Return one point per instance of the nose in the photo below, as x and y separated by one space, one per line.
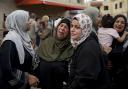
62 29
119 23
72 29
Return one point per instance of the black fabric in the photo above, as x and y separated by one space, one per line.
119 70
66 21
87 67
9 61
1 75
52 74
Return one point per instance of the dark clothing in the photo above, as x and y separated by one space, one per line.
118 71
87 67
54 53
52 74
9 61
1 78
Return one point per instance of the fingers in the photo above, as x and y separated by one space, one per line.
33 80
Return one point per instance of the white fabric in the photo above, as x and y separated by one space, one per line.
16 24
106 35
57 22
86 27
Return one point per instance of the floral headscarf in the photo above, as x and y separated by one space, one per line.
86 27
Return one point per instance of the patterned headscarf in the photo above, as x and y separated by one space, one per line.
86 27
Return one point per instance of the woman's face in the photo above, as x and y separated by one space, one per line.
62 31
119 24
29 24
75 30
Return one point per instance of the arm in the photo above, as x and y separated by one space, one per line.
122 38
9 73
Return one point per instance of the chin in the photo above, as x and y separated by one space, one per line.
74 38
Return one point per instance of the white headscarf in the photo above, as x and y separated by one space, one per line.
86 27
16 24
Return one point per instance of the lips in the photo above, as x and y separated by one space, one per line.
73 34
119 27
61 33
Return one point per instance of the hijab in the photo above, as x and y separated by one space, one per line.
86 27
54 49
16 24
93 13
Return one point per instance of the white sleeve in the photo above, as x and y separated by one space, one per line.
114 33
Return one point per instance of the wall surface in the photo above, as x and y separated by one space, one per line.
6 6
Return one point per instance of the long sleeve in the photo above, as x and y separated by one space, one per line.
8 53
85 66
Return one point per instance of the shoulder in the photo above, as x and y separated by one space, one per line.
7 43
89 44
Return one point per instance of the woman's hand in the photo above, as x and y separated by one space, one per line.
33 80
106 49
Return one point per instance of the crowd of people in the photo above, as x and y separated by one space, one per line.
88 51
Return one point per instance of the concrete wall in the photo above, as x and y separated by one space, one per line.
6 6
112 10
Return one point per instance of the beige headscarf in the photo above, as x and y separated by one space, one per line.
86 27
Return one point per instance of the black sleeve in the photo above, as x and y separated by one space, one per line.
9 53
87 66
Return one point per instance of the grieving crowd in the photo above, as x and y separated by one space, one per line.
87 51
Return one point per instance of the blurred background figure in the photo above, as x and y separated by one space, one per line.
33 28
93 13
45 29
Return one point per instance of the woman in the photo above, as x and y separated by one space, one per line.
106 34
93 13
87 66
17 54
116 55
54 53
45 30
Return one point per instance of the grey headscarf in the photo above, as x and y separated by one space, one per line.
93 12
16 24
